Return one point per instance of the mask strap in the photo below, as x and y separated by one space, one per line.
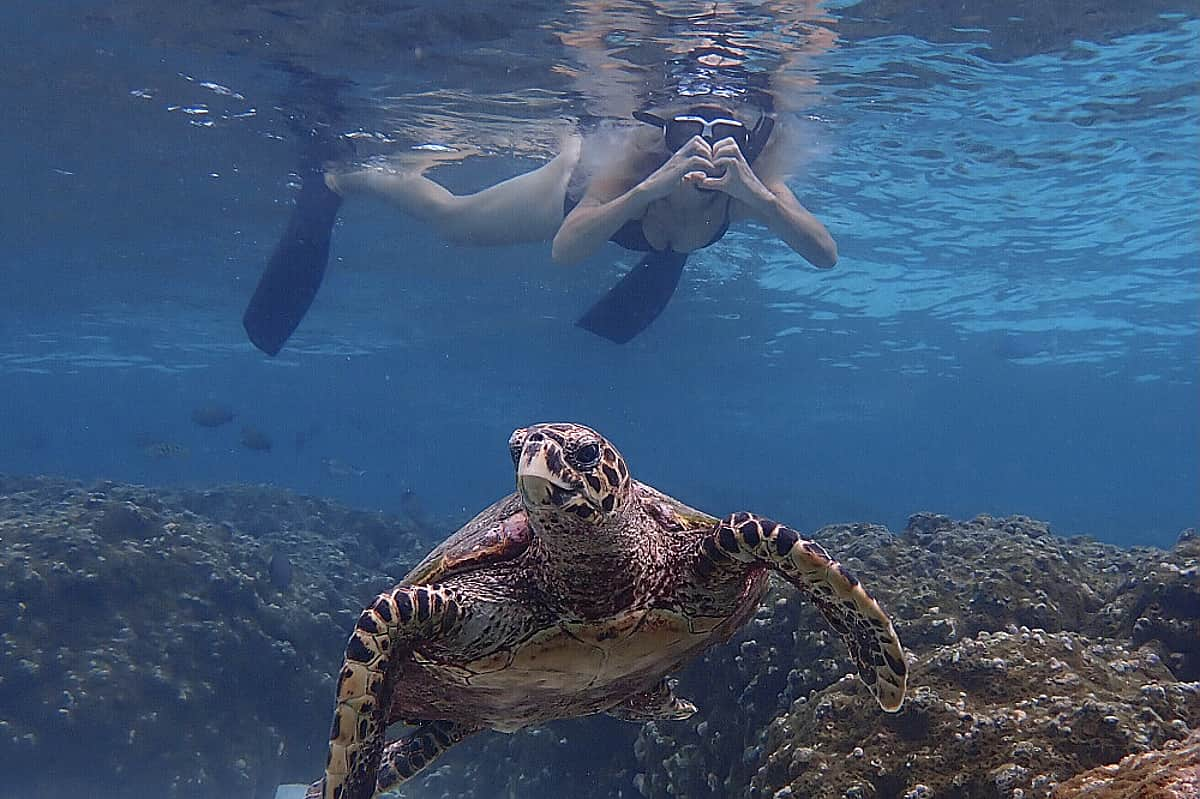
758 138
650 119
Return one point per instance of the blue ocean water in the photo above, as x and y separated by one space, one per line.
1012 327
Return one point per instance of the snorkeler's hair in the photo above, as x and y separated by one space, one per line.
710 109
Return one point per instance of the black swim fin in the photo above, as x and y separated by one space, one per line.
630 306
288 286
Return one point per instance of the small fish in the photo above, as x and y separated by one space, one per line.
161 450
335 468
304 436
280 569
255 439
212 414
412 507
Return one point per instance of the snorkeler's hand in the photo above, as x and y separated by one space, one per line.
691 163
734 175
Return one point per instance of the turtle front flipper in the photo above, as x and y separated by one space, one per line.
385 632
849 609
658 704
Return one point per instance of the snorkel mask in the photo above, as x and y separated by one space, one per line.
712 123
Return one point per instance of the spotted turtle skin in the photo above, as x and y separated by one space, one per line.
580 593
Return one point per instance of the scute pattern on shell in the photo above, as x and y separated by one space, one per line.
499 533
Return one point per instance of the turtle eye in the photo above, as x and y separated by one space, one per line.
586 456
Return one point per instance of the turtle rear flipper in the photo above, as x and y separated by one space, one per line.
658 704
404 758
845 604
396 622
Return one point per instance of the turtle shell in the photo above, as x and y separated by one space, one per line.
499 533
669 513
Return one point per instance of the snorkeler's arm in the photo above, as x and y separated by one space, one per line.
780 211
771 202
614 199
594 220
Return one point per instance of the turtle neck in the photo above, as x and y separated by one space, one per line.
589 570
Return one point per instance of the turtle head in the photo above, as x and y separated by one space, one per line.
569 469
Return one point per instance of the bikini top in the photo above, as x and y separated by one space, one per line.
632 234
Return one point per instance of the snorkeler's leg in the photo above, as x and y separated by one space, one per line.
297 266
525 208
638 298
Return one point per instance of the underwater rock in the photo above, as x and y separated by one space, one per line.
1161 606
146 651
121 520
1172 772
989 716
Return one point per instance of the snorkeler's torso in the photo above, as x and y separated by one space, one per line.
685 226
688 220
682 222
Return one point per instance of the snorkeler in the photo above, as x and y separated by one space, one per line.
679 183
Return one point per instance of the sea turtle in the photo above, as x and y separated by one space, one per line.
577 594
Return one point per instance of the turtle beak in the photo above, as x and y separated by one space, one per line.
537 479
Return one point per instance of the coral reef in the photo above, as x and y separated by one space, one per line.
997 715
1161 607
1169 773
145 650
182 644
